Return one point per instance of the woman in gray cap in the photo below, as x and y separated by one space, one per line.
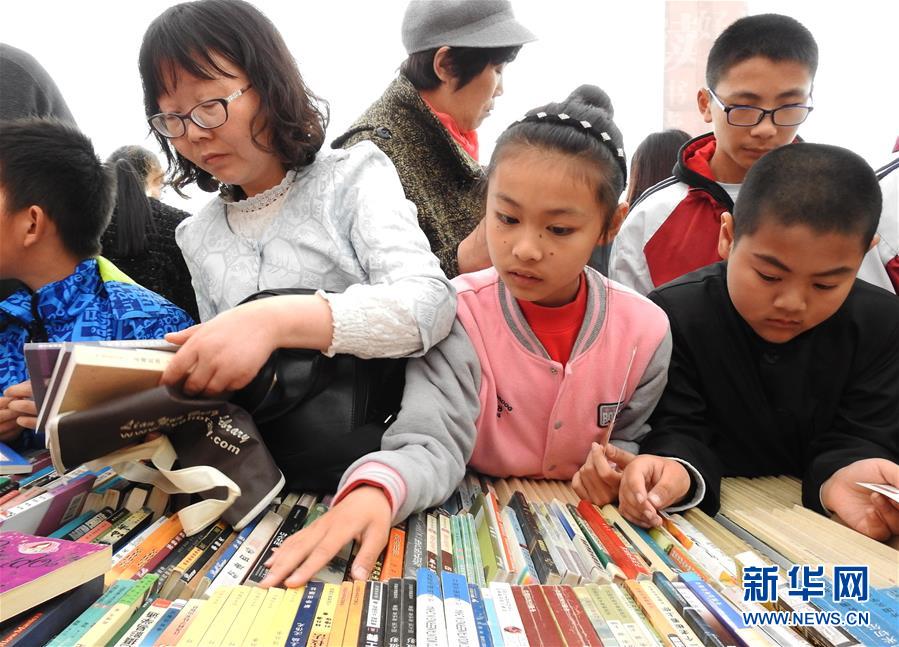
426 121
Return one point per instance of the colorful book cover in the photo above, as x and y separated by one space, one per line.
36 569
430 622
179 626
156 631
142 625
432 542
323 622
118 614
571 616
445 537
610 541
546 569
599 624
496 629
393 555
460 622
523 566
243 560
11 462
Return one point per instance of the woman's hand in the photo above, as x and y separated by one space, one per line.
599 478
17 410
226 353
363 515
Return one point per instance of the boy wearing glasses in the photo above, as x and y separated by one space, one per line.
56 198
783 362
759 76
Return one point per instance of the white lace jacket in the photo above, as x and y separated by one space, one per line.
345 228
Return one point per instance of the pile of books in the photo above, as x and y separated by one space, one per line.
505 562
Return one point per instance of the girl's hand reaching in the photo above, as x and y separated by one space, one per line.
599 478
363 515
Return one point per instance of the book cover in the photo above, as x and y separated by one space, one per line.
39 625
546 569
610 541
25 517
460 622
488 542
620 620
302 621
472 545
36 569
432 542
430 619
496 629
195 576
279 630
509 619
459 565
666 622
265 617
90 616
570 616
131 565
522 565
11 462
204 617
445 539
323 622
159 627
246 556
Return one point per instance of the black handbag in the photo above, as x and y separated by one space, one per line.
318 414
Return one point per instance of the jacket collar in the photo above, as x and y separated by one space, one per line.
590 327
693 168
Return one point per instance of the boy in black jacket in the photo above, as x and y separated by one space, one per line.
783 362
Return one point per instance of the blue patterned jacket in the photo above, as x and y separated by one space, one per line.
96 302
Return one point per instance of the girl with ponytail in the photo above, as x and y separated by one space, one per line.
548 360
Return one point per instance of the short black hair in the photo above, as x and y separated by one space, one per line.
588 104
187 36
826 188
772 36
465 64
53 165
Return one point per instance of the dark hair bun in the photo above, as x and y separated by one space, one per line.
594 97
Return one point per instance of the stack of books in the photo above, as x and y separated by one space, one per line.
502 562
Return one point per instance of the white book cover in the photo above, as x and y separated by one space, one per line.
26 516
430 624
461 629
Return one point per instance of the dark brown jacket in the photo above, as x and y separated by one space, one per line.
437 175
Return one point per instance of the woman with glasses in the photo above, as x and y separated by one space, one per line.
228 105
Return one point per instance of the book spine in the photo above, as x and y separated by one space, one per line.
525 571
322 623
461 629
302 622
408 610
393 559
393 616
225 557
155 632
293 522
690 615
597 621
545 567
86 526
431 626
721 609
513 633
278 631
565 603
416 543
482 624
478 572
97 610
539 624
496 629
144 623
667 624
619 620
458 547
615 547
204 618
267 615
432 542
354 616
223 625
445 535
181 623
243 560
371 630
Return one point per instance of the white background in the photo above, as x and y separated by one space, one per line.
348 51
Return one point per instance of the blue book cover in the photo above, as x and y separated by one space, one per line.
71 525
37 475
480 616
302 622
11 462
430 630
230 550
496 630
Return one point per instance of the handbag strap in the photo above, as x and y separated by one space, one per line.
189 480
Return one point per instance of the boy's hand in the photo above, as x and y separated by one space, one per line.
223 354
649 484
598 479
364 515
23 403
870 513
17 410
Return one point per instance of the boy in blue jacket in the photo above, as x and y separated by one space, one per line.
56 198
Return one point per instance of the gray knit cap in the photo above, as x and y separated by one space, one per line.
461 23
